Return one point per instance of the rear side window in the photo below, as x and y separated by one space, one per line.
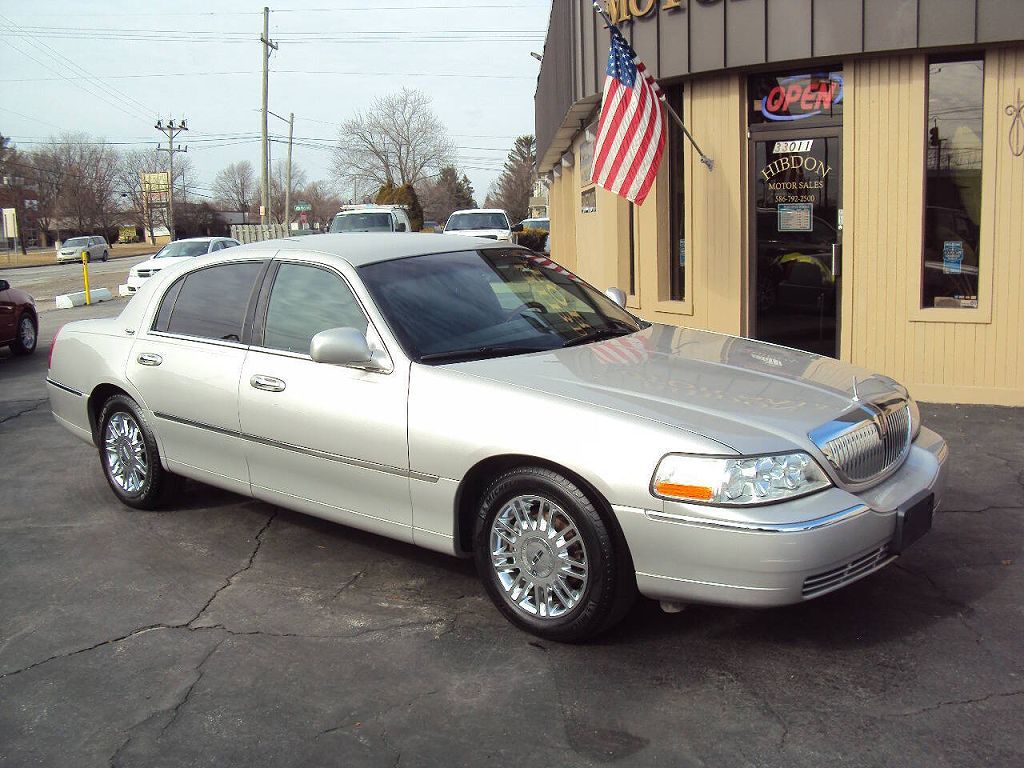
304 301
211 303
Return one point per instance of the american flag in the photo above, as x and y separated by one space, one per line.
631 131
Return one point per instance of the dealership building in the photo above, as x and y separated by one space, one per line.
865 196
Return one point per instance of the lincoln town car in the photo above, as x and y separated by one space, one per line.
475 398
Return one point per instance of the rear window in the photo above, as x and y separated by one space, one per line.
210 303
362 222
460 221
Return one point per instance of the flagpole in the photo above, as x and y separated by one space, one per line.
705 159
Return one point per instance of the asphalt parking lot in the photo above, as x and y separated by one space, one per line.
227 632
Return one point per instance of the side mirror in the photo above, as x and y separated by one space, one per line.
399 227
342 346
517 228
617 295
4 285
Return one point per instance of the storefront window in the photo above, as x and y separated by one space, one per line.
952 199
677 200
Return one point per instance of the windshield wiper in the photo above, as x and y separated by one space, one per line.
475 352
600 334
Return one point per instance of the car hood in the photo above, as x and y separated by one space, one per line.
492 233
748 395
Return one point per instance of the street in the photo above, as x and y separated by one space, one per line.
229 632
48 281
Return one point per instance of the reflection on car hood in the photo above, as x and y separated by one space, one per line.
746 394
479 232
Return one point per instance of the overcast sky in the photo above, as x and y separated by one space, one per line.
110 68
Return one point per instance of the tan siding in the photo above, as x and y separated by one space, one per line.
978 358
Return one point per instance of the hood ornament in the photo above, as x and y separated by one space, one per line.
856 396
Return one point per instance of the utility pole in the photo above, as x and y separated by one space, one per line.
288 177
171 130
267 46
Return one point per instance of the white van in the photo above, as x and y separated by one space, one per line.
372 218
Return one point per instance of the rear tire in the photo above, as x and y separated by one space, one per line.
548 559
28 335
130 457
105 256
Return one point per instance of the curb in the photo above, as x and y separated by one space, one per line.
69 300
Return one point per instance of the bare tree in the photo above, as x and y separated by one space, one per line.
235 186
397 141
129 183
278 179
324 203
512 189
446 193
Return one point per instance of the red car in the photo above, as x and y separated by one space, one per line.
19 323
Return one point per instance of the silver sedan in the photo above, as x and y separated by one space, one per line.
477 399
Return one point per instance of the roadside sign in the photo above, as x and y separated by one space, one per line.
300 207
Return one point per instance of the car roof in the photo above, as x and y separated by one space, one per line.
480 210
362 248
198 239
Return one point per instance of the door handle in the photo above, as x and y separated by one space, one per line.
834 262
148 358
267 383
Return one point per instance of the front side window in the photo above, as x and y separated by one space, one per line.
304 301
473 304
211 303
952 197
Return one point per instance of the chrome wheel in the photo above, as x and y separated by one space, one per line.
125 446
538 555
27 333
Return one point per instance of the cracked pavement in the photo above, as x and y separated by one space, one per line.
229 632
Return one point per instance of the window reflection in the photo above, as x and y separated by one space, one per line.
953 184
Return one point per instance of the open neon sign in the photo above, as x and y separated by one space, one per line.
801 96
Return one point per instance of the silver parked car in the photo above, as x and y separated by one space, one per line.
72 249
479 400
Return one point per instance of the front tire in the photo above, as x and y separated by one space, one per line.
105 256
28 335
548 559
130 458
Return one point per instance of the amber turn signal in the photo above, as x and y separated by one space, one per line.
698 492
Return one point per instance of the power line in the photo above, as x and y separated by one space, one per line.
477 7
116 93
466 75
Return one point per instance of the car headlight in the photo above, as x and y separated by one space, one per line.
740 481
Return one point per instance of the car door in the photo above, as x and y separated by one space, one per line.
186 367
328 439
8 313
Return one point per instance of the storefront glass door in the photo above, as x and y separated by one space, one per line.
797 224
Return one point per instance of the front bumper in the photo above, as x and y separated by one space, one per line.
792 552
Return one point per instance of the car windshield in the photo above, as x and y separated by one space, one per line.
542 224
467 305
182 248
362 222
460 221
76 242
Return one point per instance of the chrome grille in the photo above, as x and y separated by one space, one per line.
869 443
146 273
824 582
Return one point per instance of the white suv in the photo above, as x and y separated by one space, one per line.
491 223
